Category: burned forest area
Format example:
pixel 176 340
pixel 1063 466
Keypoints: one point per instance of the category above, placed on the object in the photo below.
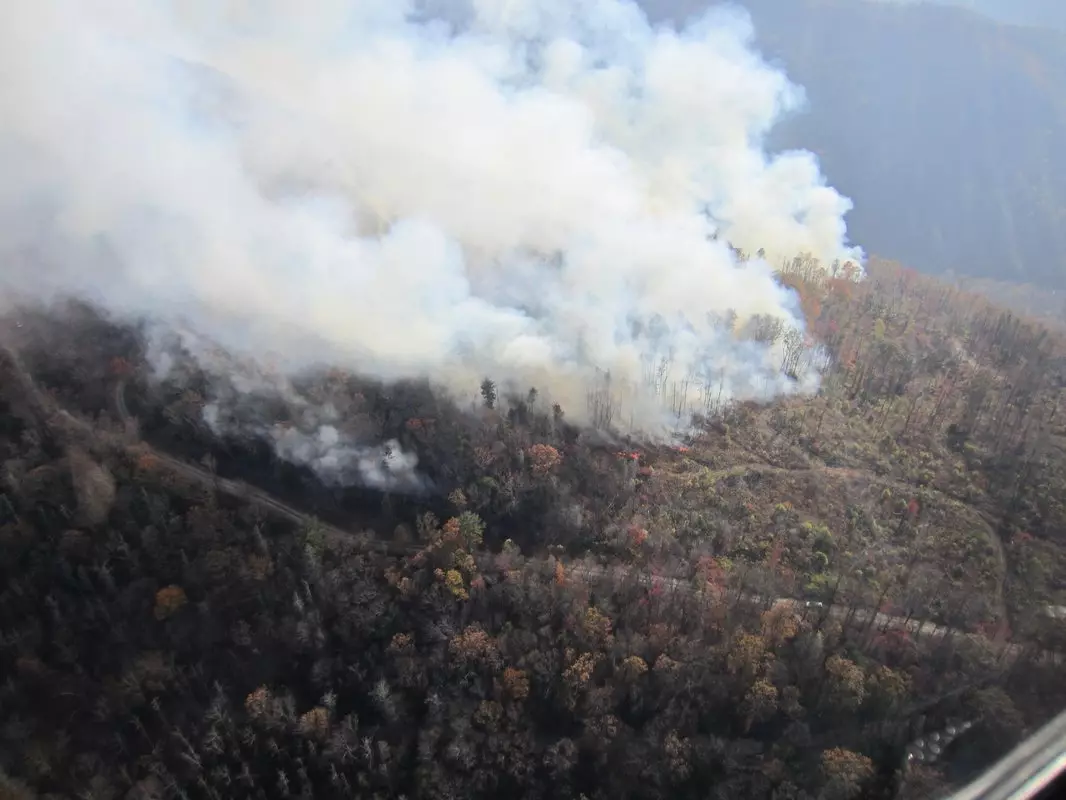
pixel 859 593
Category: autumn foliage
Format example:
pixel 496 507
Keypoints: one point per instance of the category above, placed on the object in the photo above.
pixel 755 613
pixel 168 601
pixel 544 459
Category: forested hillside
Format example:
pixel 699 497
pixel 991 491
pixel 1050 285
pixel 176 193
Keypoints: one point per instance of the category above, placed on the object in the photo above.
pixel 943 126
pixel 788 604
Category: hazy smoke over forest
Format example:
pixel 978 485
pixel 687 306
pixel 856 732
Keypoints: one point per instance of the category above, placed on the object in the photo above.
pixel 525 189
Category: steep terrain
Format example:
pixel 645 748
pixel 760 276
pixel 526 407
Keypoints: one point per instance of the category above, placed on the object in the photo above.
pixel 781 606
pixel 943 126
pixel 1034 13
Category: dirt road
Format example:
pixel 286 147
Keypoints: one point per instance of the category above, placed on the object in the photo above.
pixel 240 489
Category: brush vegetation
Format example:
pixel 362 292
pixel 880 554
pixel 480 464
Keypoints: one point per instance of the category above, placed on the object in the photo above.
pixel 776 608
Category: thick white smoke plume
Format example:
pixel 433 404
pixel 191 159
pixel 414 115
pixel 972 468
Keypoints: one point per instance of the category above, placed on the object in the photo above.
pixel 526 189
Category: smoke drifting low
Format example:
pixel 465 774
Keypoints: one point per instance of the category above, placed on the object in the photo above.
pixel 526 189
pixel 328 435
pixel 316 442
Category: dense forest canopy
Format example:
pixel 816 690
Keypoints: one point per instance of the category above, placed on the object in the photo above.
pixel 842 595
pixel 402 404
pixel 945 127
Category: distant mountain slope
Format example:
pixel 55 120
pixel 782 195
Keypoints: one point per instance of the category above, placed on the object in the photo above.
pixel 946 128
pixel 1040 13
pixel 1047 13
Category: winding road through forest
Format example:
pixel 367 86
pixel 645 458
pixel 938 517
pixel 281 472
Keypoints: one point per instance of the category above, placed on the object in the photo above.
pixel 989 523
pixel 591 572
pixel 54 416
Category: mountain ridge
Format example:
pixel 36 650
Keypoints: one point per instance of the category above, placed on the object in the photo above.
pixel 943 127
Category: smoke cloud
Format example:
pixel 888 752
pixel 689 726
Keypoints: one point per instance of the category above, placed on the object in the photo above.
pixel 335 457
pixel 535 190
pixel 244 401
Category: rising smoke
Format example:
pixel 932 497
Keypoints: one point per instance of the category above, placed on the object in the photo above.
pixel 247 402
pixel 316 441
pixel 534 190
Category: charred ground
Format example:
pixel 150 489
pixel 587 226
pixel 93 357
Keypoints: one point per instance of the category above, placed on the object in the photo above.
pixel 561 612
